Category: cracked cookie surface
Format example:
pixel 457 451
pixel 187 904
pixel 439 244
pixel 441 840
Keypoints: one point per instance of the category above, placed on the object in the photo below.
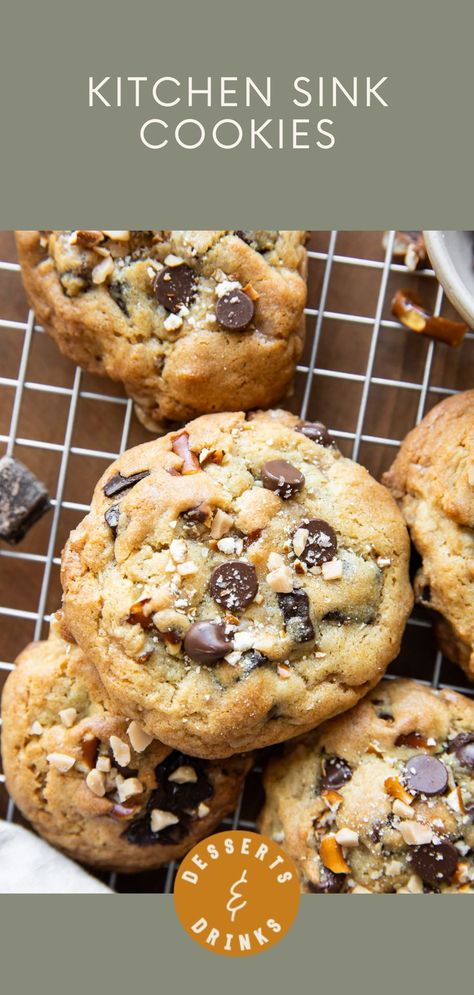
pixel 380 799
pixel 188 321
pixel 236 583
pixel 432 479
pixel 93 783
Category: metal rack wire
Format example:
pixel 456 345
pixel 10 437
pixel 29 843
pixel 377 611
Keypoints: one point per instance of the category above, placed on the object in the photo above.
pixel 370 274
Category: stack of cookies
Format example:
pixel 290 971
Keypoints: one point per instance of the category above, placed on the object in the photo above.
pixel 238 583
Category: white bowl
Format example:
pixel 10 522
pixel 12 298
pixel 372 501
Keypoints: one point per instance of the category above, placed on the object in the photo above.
pixel 451 255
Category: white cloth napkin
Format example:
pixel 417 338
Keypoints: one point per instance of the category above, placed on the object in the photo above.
pixel 28 865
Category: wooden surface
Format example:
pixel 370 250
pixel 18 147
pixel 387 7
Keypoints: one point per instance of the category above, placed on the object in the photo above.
pixel 344 346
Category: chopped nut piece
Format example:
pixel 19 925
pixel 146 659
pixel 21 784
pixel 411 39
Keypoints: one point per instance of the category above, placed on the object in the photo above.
pixel 187 569
pixel 172 260
pixel 61 761
pixel 103 270
pixel 36 729
pixel 383 561
pixel 120 750
pixel 68 717
pixel 455 801
pixel 178 550
pixel 87 238
pixel 408 307
pixel 103 764
pixel 395 788
pixel 230 545
pixel 300 539
pixel 160 820
pixel 414 833
pixel 138 737
pixel 274 561
pixel 117 236
pixel 128 787
pixel 347 837
pixel 221 524
pixel 226 286
pixel 280 580
pixel 173 322
pixel 360 890
pixel 332 570
pixel 403 811
pixel 203 810
pixel 284 671
pixel 331 855
pixel 183 775
pixel 95 781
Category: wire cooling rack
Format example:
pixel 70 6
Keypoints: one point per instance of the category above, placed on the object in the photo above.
pixel 366 377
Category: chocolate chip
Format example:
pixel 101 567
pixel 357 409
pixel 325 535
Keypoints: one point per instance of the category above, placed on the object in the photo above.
pixel 321 544
pixel 117 483
pixel 234 310
pixel 174 286
pixel 435 862
pixel 463 746
pixel 329 883
pixel 112 516
pixel 200 514
pixel 252 659
pixel 336 773
pixel 23 499
pixel 316 431
pixel 207 642
pixel 282 477
pixel 90 751
pixel 234 584
pixel 295 610
pixel 425 774
pixel 180 799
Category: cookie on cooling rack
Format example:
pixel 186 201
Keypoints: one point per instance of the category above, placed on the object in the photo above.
pixel 237 582
pixel 95 784
pixel 188 321
pixel 380 799
pixel 432 479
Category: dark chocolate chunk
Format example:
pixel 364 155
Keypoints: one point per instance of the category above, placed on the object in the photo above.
pixel 336 773
pixel 463 746
pixel 435 862
pixel 112 516
pixel 425 774
pixel 175 286
pixel 295 610
pixel 316 431
pixel 321 544
pixel 207 642
pixel 200 514
pixel 252 659
pixel 23 499
pixel 235 310
pixel 234 584
pixel 282 477
pixel 180 799
pixel 116 292
pixel 329 883
pixel 117 484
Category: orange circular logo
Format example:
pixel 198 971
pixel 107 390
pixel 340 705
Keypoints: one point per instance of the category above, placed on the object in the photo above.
pixel 237 893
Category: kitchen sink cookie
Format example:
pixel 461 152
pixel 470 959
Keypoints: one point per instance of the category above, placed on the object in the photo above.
pixel 237 582
pixel 432 479
pixel 94 783
pixel 380 799
pixel 188 321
